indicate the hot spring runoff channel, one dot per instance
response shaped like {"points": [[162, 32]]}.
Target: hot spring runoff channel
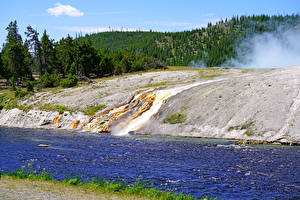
{"points": [[199, 167]]}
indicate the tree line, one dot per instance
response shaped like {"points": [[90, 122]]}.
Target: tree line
{"points": [[213, 45], [54, 61]]}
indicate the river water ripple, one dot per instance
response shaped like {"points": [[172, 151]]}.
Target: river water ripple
{"points": [[198, 167]]}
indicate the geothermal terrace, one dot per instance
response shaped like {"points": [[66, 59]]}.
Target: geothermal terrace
{"points": [[244, 104]]}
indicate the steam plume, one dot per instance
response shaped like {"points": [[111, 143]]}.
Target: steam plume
{"points": [[269, 50]]}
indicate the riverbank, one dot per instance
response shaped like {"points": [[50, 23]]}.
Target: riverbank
{"points": [[24, 185], [247, 105], [11, 188], [27, 189]]}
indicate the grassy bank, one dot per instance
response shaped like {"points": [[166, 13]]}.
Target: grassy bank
{"points": [[73, 187]]}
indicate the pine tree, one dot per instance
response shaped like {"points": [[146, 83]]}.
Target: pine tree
{"points": [[1, 66], [49, 59], [86, 59], [106, 66], [35, 44], [65, 54], [15, 56]]}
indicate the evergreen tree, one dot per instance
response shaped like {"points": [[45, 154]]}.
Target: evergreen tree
{"points": [[15, 56], [49, 59], [1, 66], [106, 66], [35, 44], [87, 58], [27, 63], [65, 53]]}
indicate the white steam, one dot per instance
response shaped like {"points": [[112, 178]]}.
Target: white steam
{"points": [[269, 50]]}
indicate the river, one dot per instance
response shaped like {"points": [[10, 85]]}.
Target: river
{"points": [[200, 167]]}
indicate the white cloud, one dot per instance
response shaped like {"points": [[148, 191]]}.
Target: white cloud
{"points": [[91, 29], [61, 9]]}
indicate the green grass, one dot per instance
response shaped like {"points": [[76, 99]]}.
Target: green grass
{"points": [[169, 68], [59, 108], [138, 189], [9, 101], [92, 110], [247, 125], [181, 68], [175, 118], [244, 71], [183, 108], [210, 73], [211, 76], [25, 108], [156, 84], [249, 133], [231, 128]]}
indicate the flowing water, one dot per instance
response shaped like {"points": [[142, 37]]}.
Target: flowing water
{"points": [[141, 107], [199, 167]]}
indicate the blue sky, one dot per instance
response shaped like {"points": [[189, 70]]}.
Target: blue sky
{"points": [[62, 17]]}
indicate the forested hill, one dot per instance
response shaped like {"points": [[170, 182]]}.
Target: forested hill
{"points": [[212, 45]]}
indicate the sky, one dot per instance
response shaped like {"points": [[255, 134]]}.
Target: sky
{"points": [[63, 17]]}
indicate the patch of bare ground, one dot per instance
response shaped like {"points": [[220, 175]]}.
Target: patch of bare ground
{"points": [[22, 189]]}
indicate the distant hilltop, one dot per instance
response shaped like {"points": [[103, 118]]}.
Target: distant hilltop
{"points": [[210, 46]]}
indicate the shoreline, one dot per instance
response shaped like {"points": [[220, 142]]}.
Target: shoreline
{"points": [[240, 142], [28, 184], [248, 106]]}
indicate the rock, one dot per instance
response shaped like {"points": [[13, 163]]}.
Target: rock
{"points": [[84, 78], [46, 122], [43, 145]]}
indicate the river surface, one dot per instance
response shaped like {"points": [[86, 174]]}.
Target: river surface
{"points": [[199, 167]]}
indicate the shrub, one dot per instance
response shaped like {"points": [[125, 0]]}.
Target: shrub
{"points": [[24, 108], [74, 181], [49, 107], [99, 182], [138, 65], [249, 133], [8, 101], [49, 80], [116, 187], [71, 81], [77, 180], [3, 99], [93, 109], [12, 81], [61, 109], [45, 176], [29, 86], [175, 118], [247, 125], [20, 93]]}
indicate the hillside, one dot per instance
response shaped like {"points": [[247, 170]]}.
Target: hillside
{"points": [[213, 45]]}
